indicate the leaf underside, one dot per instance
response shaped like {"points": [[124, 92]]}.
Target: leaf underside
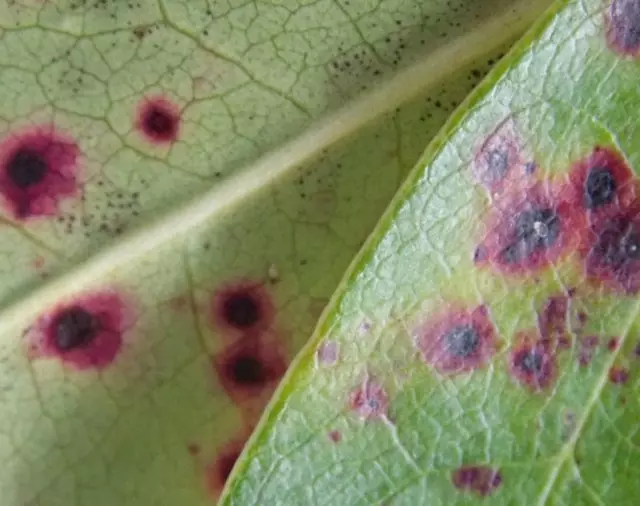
{"points": [[484, 345], [153, 291]]}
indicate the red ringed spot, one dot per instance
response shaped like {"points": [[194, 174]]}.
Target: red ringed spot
{"points": [[610, 249], [623, 27], [158, 120], [602, 181], [457, 340], [618, 375], [481, 480], [530, 229], [85, 333], [612, 345], [38, 169], [532, 363], [369, 400], [219, 470], [242, 306], [250, 367], [500, 158]]}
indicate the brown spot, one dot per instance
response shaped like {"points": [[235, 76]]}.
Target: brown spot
{"points": [[552, 322], [369, 400], [481, 480], [335, 436], [193, 449], [618, 375], [612, 345]]}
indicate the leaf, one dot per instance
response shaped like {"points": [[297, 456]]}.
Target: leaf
{"points": [[483, 346], [144, 266]]}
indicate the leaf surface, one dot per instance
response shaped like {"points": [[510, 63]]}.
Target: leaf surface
{"points": [[484, 345], [153, 290]]}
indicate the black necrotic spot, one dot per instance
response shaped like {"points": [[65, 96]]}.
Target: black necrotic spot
{"points": [[26, 168], [241, 310], [74, 328], [248, 370], [536, 229], [625, 22], [462, 341], [599, 188]]}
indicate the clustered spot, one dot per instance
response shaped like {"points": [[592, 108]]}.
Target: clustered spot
{"points": [[623, 27], [596, 213], [457, 340], [158, 120], [39, 167], [481, 480], [86, 333], [253, 359], [369, 400]]}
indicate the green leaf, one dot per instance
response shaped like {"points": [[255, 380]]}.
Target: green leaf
{"points": [[483, 346], [147, 261]]}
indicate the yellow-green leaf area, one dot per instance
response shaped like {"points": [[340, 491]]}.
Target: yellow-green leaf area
{"points": [[540, 405]]}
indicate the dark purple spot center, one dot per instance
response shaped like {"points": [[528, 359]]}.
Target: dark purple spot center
{"points": [[159, 123], [462, 341], [618, 244], [625, 21], [74, 328], [248, 370], [241, 310], [26, 168], [599, 188], [535, 229]]}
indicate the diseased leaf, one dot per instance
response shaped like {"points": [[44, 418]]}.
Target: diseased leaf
{"points": [[484, 346], [145, 320]]}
